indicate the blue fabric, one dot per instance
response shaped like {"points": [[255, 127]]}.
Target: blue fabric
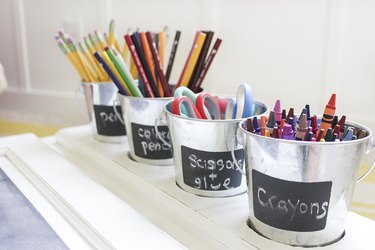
{"points": [[21, 225]]}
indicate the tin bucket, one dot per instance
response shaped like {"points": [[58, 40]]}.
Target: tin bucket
{"points": [[105, 124], [300, 192], [202, 153], [140, 115]]}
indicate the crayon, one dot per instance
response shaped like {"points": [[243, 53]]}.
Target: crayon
{"points": [[336, 130], [308, 136], [308, 114], [282, 123], [262, 125], [277, 111], [275, 132], [343, 134], [271, 122], [267, 133], [250, 126], [304, 111], [328, 136], [354, 137], [328, 113], [334, 136], [283, 114], [313, 139], [256, 125], [320, 135], [301, 128], [322, 140], [314, 124], [362, 134], [334, 121], [287, 132], [290, 114], [349, 135], [292, 123]]}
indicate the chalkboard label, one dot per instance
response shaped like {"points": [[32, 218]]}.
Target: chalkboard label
{"points": [[211, 170], [107, 122], [147, 143], [289, 205]]}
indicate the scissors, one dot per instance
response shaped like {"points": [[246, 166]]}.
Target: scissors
{"points": [[242, 105], [201, 106]]}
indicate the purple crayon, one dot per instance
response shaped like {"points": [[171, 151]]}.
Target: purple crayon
{"points": [[287, 132], [277, 111], [256, 125]]}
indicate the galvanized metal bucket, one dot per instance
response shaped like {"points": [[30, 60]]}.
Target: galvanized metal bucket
{"points": [[300, 192], [145, 144], [202, 154], [106, 126]]}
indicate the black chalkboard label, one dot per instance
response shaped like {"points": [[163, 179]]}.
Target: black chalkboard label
{"points": [[289, 205], [147, 143], [107, 122], [211, 170]]}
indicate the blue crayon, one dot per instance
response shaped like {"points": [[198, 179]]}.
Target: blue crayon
{"points": [[349, 135], [256, 125], [308, 136]]}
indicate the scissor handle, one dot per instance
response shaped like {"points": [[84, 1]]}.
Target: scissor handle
{"points": [[207, 106], [183, 101], [230, 110], [244, 102], [184, 91]]}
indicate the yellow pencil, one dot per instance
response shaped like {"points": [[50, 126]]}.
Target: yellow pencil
{"points": [[89, 75], [100, 38], [193, 59], [92, 50], [111, 34], [95, 42], [91, 61], [71, 58]]}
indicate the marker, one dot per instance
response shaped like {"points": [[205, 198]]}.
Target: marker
{"points": [[256, 126], [271, 122], [287, 132], [328, 136], [301, 127], [250, 126], [328, 113], [277, 111]]}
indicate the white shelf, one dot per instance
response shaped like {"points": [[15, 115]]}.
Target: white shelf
{"points": [[196, 222]]}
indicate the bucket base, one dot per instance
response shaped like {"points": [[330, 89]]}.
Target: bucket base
{"points": [[251, 226], [164, 162], [110, 139], [209, 194]]}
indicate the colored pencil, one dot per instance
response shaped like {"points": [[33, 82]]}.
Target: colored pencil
{"points": [[172, 55]]}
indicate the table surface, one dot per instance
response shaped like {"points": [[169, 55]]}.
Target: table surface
{"points": [[193, 221]]}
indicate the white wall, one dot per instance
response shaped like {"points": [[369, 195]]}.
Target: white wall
{"points": [[300, 51]]}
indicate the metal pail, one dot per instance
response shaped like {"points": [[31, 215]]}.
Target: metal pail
{"points": [[202, 154], [300, 192], [106, 126], [140, 115]]}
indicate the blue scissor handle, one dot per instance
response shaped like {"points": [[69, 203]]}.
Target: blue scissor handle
{"points": [[230, 110], [244, 103]]}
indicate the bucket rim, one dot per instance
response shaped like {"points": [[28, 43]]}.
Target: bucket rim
{"points": [[148, 98], [355, 124], [213, 121]]}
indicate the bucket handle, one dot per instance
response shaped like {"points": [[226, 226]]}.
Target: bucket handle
{"points": [[115, 104], [368, 170], [234, 156], [78, 91], [163, 120]]}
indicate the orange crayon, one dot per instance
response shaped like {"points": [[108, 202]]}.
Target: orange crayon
{"points": [[262, 125], [329, 113]]}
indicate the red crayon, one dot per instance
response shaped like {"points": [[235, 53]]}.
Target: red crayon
{"points": [[314, 124], [329, 113], [342, 124], [320, 135]]}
